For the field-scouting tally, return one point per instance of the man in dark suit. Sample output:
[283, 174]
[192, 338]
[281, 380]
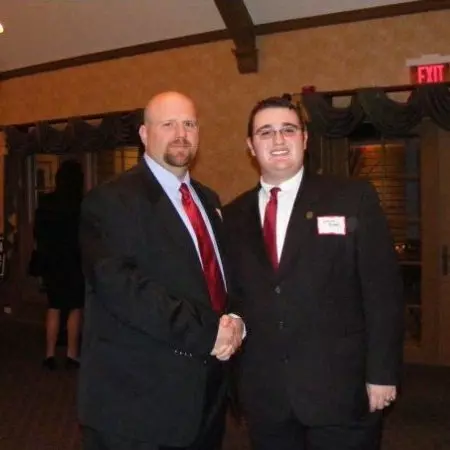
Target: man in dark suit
[156, 332]
[316, 274]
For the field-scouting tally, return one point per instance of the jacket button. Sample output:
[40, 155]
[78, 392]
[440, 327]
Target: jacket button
[281, 325]
[286, 359]
[278, 290]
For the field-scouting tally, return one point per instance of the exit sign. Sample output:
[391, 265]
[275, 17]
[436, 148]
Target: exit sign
[430, 73]
[428, 69]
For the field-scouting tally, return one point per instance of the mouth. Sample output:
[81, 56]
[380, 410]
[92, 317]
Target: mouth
[180, 143]
[279, 153]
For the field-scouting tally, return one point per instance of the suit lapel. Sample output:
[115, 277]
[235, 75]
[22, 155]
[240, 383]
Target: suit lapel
[301, 227]
[170, 224]
[255, 237]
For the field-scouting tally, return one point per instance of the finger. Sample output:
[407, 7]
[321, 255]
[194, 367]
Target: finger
[381, 404]
[238, 345]
[376, 402]
[236, 341]
[219, 348]
[226, 320]
[225, 351]
[225, 354]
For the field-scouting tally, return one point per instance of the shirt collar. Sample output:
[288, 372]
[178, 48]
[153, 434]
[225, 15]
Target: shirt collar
[292, 184]
[166, 178]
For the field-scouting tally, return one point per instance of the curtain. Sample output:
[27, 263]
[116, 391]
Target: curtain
[389, 117]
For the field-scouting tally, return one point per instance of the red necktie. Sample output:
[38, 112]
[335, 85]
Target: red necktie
[211, 267]
[270, 227]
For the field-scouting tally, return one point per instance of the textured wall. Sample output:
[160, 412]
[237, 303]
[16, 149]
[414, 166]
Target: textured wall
[331, 58]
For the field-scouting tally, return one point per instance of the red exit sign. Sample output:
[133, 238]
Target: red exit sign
[430, 73]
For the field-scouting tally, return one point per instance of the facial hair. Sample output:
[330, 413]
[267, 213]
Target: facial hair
[179, 153]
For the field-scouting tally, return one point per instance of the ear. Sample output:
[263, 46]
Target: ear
[305, 139]
[143, 134]
[250, 146]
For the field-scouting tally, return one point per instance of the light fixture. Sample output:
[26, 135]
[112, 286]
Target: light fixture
[1, 29]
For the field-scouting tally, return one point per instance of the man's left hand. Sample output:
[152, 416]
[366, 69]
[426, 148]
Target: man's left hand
[380, 396]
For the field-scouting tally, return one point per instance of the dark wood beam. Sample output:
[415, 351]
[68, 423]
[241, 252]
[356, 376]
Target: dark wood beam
[125, 52]
[242, 30]
[247, 53]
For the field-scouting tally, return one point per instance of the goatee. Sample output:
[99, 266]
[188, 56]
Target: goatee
[179, 153]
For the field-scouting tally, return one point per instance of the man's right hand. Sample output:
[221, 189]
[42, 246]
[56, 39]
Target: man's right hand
[229, 337]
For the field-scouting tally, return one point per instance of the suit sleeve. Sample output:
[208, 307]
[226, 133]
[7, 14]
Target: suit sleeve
[230, 256]
[126, 291]
[381, 286]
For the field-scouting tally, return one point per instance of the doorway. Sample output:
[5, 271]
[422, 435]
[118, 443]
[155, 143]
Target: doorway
[410, 174]
[41, 169]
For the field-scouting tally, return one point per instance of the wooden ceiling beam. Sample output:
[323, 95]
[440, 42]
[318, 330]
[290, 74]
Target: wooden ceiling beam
[242, 30]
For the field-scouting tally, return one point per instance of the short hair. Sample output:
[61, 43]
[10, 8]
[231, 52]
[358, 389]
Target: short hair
[69, 175]
[276, 102]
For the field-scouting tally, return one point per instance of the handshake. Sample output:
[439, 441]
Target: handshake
[229, 337]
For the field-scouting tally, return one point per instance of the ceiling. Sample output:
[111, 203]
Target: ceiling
[44, 31]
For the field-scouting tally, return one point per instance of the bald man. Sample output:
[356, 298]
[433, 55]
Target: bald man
[157, 334]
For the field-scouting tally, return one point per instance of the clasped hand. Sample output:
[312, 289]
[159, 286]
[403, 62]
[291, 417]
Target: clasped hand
[229, 337]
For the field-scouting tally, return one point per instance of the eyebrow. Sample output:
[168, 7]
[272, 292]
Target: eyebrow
[283, 124]
[177, 120]
[161, 122]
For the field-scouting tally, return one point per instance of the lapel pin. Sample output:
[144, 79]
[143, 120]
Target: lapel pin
[309, 215]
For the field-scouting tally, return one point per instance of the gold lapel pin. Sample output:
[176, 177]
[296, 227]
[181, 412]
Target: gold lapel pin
[309, 215]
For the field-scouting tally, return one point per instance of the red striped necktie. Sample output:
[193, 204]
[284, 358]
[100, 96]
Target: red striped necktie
[211, 267]
[270, 227]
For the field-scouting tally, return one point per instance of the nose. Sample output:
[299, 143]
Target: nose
[278, 137]
[180, 130]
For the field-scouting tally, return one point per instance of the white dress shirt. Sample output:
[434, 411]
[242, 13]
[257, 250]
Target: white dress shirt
[171, 185]
[286, 198]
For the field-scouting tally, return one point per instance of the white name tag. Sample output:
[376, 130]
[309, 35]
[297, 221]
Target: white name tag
[331, 225]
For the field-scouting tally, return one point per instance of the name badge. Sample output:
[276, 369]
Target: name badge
[331, 225]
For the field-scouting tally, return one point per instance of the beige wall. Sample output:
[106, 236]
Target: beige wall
[331, 58]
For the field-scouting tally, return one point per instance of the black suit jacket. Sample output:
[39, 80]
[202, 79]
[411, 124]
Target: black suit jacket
[330, 318]
[149, 326]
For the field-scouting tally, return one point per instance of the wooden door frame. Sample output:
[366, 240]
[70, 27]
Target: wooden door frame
[427, 350]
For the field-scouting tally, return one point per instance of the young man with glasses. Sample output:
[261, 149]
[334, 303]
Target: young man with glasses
[318, 284]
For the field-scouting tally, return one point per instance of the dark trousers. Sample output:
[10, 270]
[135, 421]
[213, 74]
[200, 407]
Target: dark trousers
[96, 440]
[211, 431]
[290, 434]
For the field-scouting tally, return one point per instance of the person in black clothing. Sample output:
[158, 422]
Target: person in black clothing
[56, 236]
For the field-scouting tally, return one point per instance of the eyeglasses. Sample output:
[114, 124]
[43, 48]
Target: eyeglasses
[287, 131]
[188, 125]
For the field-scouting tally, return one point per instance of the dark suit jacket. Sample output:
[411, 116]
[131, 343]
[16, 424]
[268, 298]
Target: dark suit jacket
[149, 326]
[330, 319]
